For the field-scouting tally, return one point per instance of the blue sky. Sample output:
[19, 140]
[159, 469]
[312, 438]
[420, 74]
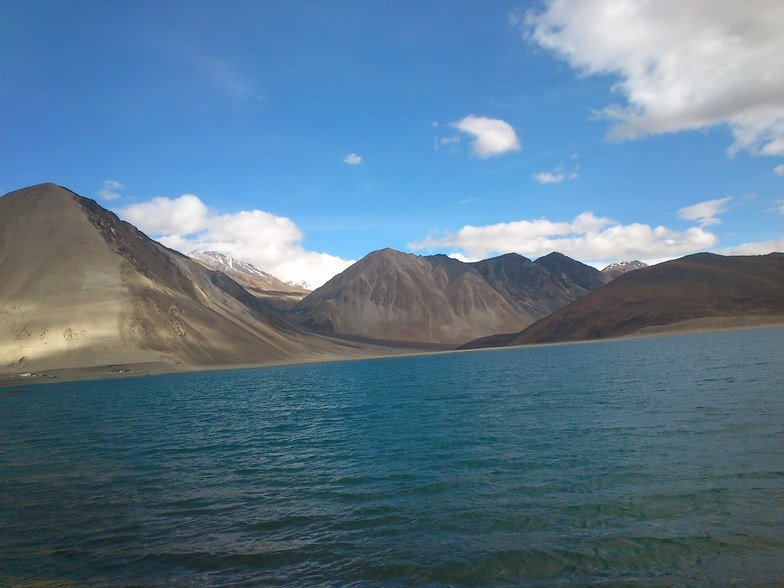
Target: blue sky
[303, 135]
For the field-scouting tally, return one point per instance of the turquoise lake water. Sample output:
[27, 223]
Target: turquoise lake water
[647, 462]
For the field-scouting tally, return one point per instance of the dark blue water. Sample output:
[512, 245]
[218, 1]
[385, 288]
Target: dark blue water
[651, 462]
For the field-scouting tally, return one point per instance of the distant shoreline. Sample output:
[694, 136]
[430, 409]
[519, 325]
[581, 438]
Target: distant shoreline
[148, 369]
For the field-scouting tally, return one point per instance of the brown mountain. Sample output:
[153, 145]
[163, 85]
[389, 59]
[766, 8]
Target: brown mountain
[542, 286]
[391, 295]
[700, 291]
[79, 287]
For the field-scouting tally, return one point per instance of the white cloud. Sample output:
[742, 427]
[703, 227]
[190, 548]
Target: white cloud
[272, 243]
[111, 190]
[589, 238]
[352, 159]
[549, 177]
[166, 216]
[554, 177]
[560, 173]
[460, 257]
[491, 136]
[705, 213]
[681, 65]
[779, 169]
[762, 248]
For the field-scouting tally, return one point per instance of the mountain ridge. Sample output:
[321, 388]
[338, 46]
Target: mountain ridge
[704, 290]
[82, 288]
[393, 295]
[97, 291]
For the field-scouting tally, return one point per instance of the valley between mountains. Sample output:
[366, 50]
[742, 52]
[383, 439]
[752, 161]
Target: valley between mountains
[83, 293]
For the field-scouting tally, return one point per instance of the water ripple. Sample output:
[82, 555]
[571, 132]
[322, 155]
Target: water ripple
[654, 462]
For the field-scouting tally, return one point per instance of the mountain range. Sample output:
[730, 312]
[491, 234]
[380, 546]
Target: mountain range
[701, 291]
[82, 289]
[391, 295]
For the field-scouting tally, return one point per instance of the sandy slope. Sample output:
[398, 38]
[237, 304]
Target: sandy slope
[14, 383]
[62, 293]
[79, 288]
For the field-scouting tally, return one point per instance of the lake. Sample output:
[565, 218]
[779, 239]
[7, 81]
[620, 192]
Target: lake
[647, 462]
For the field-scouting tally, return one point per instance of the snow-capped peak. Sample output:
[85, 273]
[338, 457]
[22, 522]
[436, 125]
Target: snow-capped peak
[616, 269]
[242, 271]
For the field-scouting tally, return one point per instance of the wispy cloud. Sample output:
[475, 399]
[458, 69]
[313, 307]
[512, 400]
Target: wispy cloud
[550, 177]
[223, 77]
[271, 242]
[111, 190]
[490, 137]
[561, 173]
[447, 140]
[554, 177]
[681, 65]
[230, 79]
[353, 159]
[779, 169]
[705, 213]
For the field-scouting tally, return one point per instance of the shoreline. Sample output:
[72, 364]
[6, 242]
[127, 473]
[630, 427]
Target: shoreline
[151, 369]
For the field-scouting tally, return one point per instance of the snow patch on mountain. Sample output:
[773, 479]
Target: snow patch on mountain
[614, 270]
[242, 271]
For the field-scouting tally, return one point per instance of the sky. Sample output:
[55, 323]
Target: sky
[300, 136]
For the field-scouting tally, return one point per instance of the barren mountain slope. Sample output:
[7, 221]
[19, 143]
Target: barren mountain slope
[402, 297]
[436, 299]
[79, 287]
[538, 288]
[698, 290]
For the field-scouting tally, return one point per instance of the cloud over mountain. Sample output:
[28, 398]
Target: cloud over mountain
[762, 248]
[272, 243]
[586, 237]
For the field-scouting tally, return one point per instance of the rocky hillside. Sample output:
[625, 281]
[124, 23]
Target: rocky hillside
[702, 291]
[80, 287]
[390, 295]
